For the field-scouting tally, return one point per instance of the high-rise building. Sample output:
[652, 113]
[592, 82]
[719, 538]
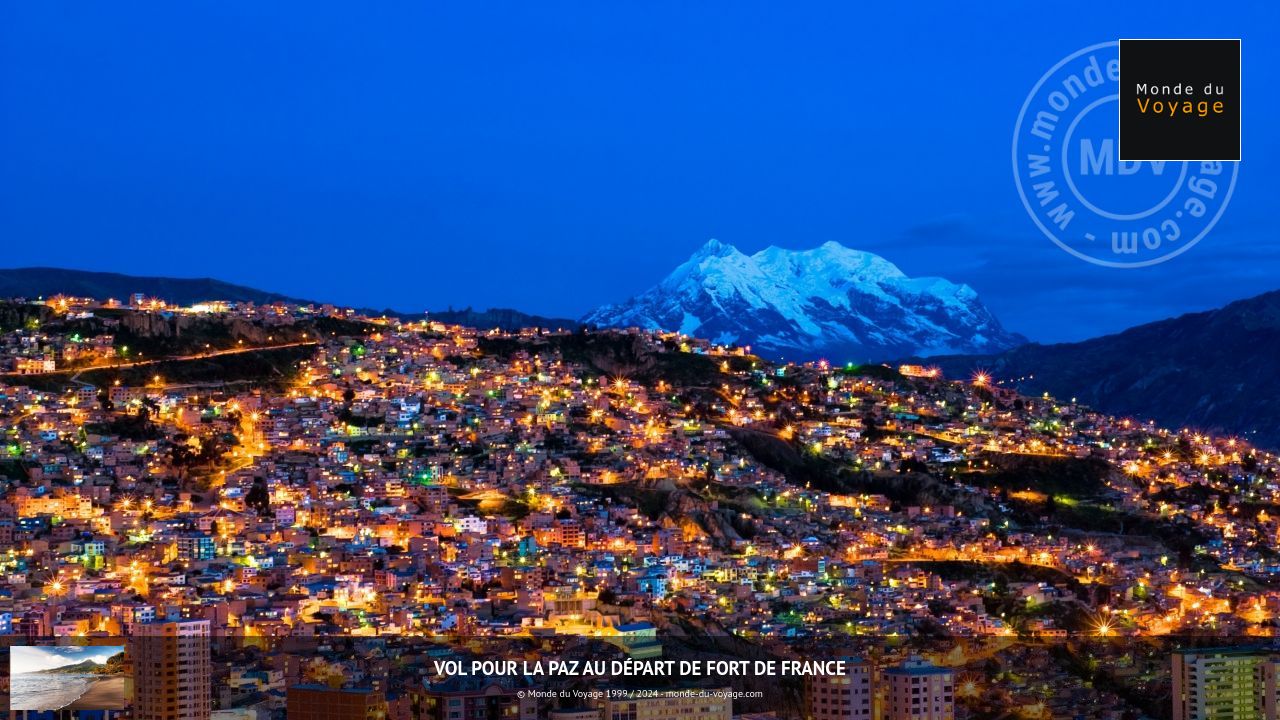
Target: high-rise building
[1222, 684]
[171, 669]
[320, 702]
[919, 690]
[840, 697]
[1269, 688]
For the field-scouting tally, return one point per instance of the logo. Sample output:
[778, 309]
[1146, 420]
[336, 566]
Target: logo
[1180, 100]
[1070, 178]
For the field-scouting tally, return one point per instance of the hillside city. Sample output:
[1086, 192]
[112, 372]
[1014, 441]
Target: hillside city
[277, 474]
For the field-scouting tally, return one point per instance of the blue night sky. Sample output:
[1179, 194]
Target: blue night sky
[555, 156]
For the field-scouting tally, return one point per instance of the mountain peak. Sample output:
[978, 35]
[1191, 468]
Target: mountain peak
[828, 301]
[714, 248]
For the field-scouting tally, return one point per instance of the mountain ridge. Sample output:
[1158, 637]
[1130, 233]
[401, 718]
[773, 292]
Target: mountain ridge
[1212, 370]
[830, 301]
[42, 281]
[82, 667]
[46, 281]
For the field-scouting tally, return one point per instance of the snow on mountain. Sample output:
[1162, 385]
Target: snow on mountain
[830, 302]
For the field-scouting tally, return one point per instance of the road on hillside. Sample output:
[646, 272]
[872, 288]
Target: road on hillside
[158, 361]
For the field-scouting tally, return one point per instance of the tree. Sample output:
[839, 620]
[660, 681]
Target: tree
[258, 498]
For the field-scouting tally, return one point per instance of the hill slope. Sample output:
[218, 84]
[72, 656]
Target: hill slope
[501, 318]
[1217, 371]
[36, 282]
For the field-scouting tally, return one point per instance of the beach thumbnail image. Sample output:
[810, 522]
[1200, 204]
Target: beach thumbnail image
[66, 677]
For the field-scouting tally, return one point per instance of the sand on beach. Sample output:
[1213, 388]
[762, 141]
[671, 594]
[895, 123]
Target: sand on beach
[103, 694]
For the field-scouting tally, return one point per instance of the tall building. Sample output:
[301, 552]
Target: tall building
[840, 697]
[712, 704]
[919, 690]
[1223, 684]
[171, 669]
[1269, 688]
[319, 702]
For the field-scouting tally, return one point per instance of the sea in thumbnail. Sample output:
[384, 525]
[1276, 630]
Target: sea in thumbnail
[41, 691]
[73, 678]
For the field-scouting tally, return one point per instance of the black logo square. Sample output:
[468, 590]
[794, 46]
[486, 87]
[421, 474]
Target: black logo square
[1179, 100]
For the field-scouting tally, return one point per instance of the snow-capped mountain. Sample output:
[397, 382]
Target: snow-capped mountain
[829, 302]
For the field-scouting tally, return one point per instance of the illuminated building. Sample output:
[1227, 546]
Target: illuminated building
[171, 670]
[1221, 684]
[318, 702]
[196, 547]
[1269, 688]
[840, 697]
[919, 690]
[919, 371]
